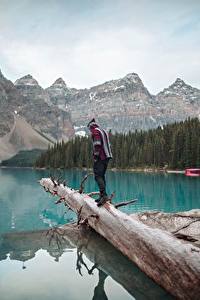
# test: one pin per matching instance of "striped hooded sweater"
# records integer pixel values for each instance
(101, 143)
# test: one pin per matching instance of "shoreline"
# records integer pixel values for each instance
(142, 170)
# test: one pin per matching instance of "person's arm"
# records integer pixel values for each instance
(97, 144)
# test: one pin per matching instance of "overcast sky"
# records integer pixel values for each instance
(88, 42)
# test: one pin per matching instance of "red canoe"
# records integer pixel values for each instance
(192, 172)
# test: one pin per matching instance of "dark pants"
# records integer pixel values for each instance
(99, 168)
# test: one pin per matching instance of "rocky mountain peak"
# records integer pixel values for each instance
(59, 93)
(26, 80)
(179, 91)
(180, 87)
(176, 88)
(179, 83)
(132, 78)
(59, 83)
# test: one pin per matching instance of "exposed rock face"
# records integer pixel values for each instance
(59, 93)
(179, 88)
(121, 105)
(30, 101)
(31, 90)
(125, 104)
(39, 111)
(179, 101)
(10, 100)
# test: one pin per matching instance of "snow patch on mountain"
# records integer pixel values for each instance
(92, 96)
(80, 133)
(78, 127)
(119, 88)
(153, 119)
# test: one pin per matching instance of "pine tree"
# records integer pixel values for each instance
(177, 145)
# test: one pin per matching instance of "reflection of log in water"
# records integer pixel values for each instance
(23, 246)
(113, 263)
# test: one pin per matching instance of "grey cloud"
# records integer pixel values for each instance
(88, 42)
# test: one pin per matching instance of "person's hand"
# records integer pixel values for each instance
(96, 158)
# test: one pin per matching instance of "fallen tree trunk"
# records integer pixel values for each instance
(168, 261)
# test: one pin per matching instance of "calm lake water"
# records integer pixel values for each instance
(36, 263)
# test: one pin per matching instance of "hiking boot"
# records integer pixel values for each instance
(100, 196)
(103, 200)
(98, 199)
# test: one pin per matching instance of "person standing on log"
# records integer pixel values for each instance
(101, 154)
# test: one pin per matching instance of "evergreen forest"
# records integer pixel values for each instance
(173, 146)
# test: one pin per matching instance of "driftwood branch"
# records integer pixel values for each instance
(79, 215)
(54, 182)
(57, 180)
(111, 197)
(120, 204)
(93, 194)
(81, 189)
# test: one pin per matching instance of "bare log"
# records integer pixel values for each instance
(168, 261)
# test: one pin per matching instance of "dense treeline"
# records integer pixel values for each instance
(175, 145)
(24, 158)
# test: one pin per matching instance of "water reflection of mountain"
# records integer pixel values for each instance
(24, 245)
(110, 262)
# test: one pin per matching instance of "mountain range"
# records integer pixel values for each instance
(59, 112)
(126, 104)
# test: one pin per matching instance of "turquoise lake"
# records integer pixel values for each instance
(36, 264)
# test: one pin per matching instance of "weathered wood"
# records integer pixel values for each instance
(185, 225)
(167, 260)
